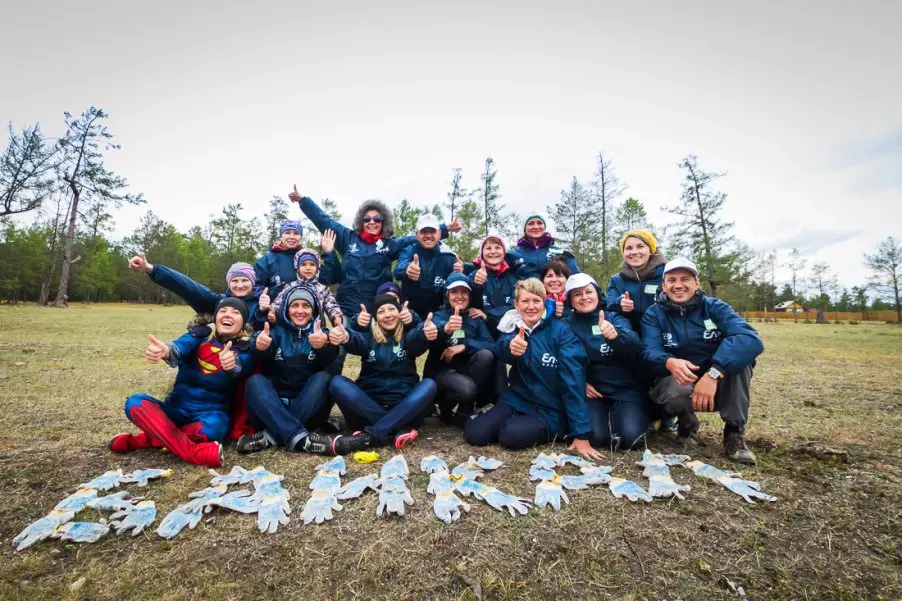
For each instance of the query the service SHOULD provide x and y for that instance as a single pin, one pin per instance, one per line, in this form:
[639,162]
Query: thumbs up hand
[607,328]
[430,329]
[139,263]
[338,335]
[364,318]
[519,344]
[455,323]
[481,276]
[318,338]
[455,226]
[558,308]
[458,266]
[294,196]
[228,358]
[406,317]
[626,304]
[156,350]
[264,302]
[413,270]
[263,338]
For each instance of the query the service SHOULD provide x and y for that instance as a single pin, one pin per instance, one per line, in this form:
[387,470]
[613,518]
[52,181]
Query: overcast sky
[221,102]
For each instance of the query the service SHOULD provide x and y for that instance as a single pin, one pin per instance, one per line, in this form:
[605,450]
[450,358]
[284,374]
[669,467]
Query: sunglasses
[377,218]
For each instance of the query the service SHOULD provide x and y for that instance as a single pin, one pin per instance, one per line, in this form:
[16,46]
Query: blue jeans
[503,424]
[618,423]
[287,423]
[382,422]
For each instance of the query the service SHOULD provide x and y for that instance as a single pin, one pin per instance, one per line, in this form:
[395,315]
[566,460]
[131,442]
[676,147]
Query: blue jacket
[364,267]
[387,371]
[705,331]
[201,384]
[276,269]
[642,293]
[549,380]
[329,268]
[200,298]
[495,297]
[474,335]
[529,261]
[291,360]
[427,293]
[611,368]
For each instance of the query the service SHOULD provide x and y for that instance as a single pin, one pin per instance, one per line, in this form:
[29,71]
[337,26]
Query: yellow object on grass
[366,456]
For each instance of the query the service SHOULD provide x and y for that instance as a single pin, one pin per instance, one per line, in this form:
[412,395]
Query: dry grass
[834,534]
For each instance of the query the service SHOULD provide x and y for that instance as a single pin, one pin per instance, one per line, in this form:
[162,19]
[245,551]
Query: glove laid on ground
[200,499]
[393,495]
[432,463]
[573,482]
[106,481]
[649,458]
[709,471]
[545,461]
[467,471]
[746,489]
[563,460]
[671,459]
[328,481]
[135,519]
[447,506]
[143,477]
[241,501]
[255,475]
[357,487]
[537,472]
[627,488]
[336,464]
[551,493]
[486,463]
[270,486]
[235,476]
[396,466]
[500,501]
[177,519]
[41,529]
[439,482]
[77,500]
[271,512]
[81,532]
[662,486]
[467,486]
[319,507]
[115,502]
[597,475]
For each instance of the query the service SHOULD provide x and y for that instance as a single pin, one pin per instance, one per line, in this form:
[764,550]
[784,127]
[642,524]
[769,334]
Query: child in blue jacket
[545,397]
[276,269]
[291,395]
[388,398]
[462,360]
[195,415]
[616,397]
[536,248]
[704,353]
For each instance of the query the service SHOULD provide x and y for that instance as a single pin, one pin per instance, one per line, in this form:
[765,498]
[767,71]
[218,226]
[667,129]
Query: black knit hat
[385,299]
[235,303]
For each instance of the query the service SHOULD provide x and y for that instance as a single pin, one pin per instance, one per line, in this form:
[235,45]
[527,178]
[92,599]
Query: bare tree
[608,188]
[489,196]
[795,264]
[886,264]
[457,193]
[26,171]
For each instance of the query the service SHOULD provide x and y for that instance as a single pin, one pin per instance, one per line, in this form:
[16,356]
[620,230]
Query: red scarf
[499,269]
[369,238]
[559,298]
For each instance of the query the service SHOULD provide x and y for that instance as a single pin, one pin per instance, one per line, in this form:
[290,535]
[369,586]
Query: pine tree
[457,194]
[26,171]
[630,215]
[489,195]
[886,264]
[608,188]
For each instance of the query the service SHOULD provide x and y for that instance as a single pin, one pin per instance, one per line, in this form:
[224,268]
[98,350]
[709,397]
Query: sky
[800,104]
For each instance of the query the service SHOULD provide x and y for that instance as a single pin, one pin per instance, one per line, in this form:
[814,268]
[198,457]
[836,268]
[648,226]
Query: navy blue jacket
[199,297]
[364,267]
[705,331]
[201,384]
[495,297]
[474,335]
[275,269]
[329,268]
[427,293]
[387,371]
[611,362]
[529,261]
[642,293]
[291,360]
[549,380]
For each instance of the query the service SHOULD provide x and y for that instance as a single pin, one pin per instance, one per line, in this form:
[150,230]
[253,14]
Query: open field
[836,532]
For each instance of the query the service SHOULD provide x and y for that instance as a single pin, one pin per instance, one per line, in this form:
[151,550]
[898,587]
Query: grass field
[835,532]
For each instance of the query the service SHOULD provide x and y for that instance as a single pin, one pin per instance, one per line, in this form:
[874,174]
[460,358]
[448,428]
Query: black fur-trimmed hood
[388,217]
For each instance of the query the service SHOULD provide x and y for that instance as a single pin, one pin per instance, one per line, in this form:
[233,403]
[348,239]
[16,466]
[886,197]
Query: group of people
[522,347]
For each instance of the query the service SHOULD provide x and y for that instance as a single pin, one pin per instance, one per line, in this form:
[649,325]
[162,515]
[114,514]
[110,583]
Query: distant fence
[829,315]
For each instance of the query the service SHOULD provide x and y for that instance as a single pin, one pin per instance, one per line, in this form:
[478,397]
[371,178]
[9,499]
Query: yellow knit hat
[645,235]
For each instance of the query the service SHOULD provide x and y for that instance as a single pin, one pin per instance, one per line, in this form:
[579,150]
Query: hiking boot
[317,444]
[254,443]
[735,448]
[359,441]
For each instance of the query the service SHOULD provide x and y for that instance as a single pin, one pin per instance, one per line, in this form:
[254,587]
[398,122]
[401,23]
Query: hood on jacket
[655,261]
[286,301]
[388,217]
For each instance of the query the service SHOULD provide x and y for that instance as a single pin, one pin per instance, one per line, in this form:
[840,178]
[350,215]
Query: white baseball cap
[427,220]
[577,281]
[681,263]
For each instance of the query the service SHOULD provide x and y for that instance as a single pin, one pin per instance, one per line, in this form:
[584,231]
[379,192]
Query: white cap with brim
[458,284]
[427,221]
[577,281]
[681,263]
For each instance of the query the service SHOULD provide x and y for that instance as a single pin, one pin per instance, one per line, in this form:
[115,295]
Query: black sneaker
[344,445]
[254,443]
[735,448]
[318,444]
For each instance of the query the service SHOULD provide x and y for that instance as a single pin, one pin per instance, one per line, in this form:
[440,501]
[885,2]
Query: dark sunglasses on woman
[377,218]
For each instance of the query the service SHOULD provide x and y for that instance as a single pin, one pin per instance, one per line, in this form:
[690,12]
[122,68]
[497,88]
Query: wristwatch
[714,374]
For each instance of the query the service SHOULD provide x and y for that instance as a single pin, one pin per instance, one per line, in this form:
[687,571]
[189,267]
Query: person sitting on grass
[545,398]
[277,268]
[389,399]
[290,397]
[195,416]
[617,399]
[462,362]
[709,352]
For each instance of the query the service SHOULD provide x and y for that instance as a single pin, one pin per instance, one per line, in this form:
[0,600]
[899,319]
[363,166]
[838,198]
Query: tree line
[66,251]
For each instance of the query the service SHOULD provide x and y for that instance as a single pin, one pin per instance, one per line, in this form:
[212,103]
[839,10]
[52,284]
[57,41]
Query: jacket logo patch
[549,360]
[279,356]
[371,357]
[311,356]
[668,340]
[379,243]
[208,358]
[712,335]
[352,248]
[439,282]
[605,349]
[401,353]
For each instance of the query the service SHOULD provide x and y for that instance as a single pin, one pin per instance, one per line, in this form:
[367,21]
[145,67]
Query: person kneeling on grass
[195,415]
[462,361]
[291,396]
[710,353]
[546,392]
[388,399]
[617,400]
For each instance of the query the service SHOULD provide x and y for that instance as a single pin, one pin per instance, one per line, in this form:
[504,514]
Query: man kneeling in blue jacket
[709,352]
